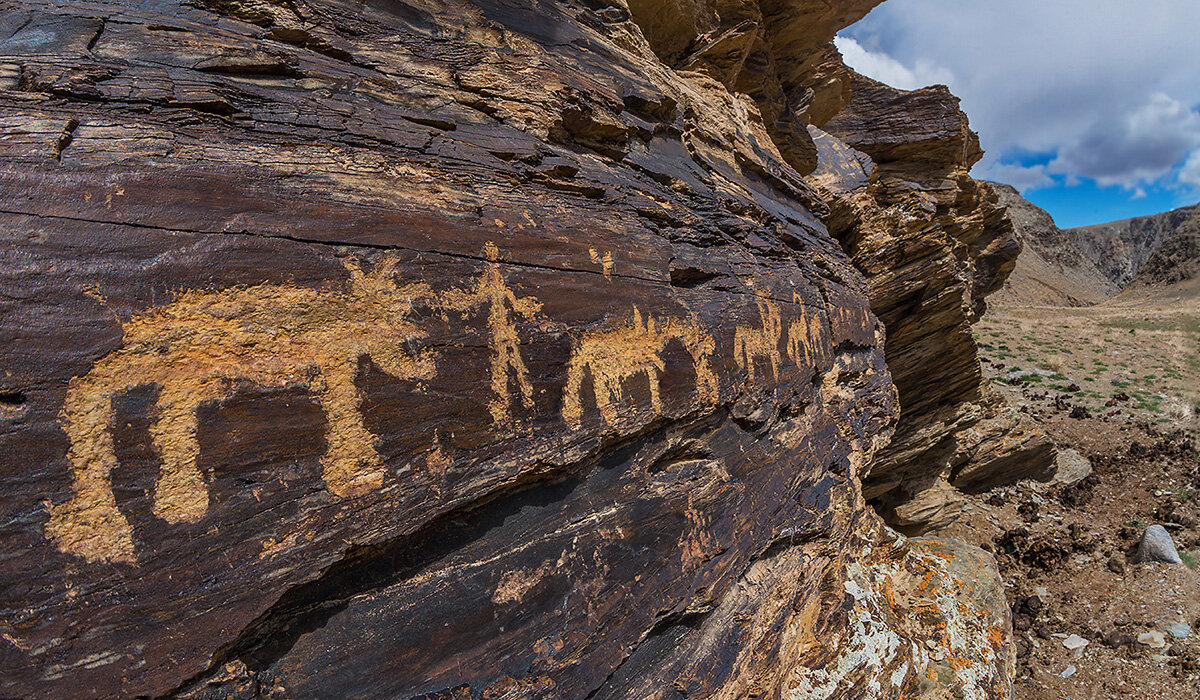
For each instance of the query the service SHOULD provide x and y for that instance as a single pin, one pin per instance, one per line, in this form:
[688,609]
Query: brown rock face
[779,52]
[932,243]
[439,350]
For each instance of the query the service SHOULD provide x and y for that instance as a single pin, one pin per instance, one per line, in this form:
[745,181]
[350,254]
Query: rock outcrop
[933,244]
[470,350]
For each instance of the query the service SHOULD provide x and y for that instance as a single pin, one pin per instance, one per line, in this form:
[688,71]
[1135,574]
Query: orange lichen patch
[888,591]
[198,348]
[957,662]
[996,636]
[630,350]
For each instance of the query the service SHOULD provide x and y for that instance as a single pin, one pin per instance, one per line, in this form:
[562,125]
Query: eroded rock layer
[438,350]
[933,243]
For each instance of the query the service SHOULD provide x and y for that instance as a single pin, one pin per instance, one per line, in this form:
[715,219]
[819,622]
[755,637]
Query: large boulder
[427,350]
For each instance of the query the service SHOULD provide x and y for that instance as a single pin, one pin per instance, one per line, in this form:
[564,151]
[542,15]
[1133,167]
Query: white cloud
[1132,146]
[1111,86]
[1024,178]
[1189,175]
[888,70]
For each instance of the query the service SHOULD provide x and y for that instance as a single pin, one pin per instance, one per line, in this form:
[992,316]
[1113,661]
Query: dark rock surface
[451,350]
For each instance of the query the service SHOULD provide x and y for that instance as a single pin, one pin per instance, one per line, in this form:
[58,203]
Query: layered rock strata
[933,243]
[443,350]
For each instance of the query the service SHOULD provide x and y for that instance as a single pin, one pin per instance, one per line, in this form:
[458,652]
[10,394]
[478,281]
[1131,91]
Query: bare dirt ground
[1119,383]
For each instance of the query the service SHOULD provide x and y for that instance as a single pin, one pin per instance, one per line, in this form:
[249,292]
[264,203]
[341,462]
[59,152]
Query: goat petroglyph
[199,348]
[616,354]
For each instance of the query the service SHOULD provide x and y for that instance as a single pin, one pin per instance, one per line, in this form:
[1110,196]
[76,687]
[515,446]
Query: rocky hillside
[1088,265]
[1121,248]
[1176,260]
[491,349]
[1053,269]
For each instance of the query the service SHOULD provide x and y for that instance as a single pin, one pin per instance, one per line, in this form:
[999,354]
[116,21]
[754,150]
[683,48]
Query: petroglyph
[205,344]
[199,348]
[492,292]
[760,343]
[605,261]
[805,335]
[617,354]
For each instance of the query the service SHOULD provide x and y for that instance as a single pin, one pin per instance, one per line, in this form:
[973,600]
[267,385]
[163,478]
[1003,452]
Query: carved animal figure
[750,343]
[617,354]
[806,335]
[199,348]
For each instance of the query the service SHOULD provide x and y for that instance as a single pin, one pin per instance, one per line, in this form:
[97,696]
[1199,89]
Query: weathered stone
[1071,467]
[954,647]
[1074,642]
[1116,564]
[1156,546]
[932,243]
[457,349]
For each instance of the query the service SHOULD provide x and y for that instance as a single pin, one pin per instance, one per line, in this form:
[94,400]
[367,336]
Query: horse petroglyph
[199,348]
[492,292]
[616,354]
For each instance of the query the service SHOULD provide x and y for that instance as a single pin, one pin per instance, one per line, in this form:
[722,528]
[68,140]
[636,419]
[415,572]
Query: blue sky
[1091,109]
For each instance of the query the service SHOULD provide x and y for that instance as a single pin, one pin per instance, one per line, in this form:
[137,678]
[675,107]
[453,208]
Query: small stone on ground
[1157,545]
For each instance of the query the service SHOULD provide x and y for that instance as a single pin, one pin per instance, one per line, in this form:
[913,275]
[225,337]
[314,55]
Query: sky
[1090,107]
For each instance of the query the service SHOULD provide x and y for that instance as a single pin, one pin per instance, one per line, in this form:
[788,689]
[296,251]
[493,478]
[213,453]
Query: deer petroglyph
[199,348]
[616,354]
